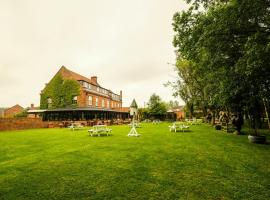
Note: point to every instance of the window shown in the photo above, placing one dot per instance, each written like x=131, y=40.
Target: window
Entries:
x=108, y=103
x=74, y=100
x=96, y=101
x=103, y=103
x=85, y=84
x=49, y=101
x=90, y=101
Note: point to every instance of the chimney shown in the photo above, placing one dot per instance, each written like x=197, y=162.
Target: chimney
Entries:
x=32, y=105
x=94, y=80
x=121, y=94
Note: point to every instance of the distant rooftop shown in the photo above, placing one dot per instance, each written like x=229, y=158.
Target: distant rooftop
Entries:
x=66, y=73
x=134, y=104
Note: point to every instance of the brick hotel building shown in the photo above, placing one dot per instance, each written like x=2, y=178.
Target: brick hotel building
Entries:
x=93, y=102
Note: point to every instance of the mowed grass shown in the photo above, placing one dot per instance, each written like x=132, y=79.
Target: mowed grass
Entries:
x=64, y=164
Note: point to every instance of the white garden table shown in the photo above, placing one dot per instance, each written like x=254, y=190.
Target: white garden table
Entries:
x=97, y=129
x=180, y=127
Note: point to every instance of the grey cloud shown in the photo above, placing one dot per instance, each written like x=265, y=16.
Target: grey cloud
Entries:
x=125, y=43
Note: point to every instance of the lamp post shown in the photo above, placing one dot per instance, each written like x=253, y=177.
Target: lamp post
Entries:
x=133, y=112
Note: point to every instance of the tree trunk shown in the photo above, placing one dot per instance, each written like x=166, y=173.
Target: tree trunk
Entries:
x=214, y=118
x=254, y=117
x=204, y=109
x=266, y=112
x=191, y=110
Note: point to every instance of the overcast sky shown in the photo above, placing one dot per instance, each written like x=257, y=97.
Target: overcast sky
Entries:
x=126, y=43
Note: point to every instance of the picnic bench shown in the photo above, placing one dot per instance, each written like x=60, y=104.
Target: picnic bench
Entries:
x=97, y=130
x=194, y=121
x=181, y=127
x=75, y=126
x=156, y=121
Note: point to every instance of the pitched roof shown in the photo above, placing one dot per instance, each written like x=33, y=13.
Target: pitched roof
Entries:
x=178, y=108
x=134, y=104
x=68, y=74
x=123, y=109
x=17, y=106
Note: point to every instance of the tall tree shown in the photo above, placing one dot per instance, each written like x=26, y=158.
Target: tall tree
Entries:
x=157, y=108
x=229, y=40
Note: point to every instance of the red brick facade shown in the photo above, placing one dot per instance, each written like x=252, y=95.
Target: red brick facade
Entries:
x=12, y=111
x=180, y=115
x=24, y=123
x=179, y=112
x=91, y=93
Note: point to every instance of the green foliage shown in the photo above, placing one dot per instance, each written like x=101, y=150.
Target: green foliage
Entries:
x=22, y=114
x=61, y=92
x=227, y=46
x=157, y=108
x=143, y=113
x=172, y=104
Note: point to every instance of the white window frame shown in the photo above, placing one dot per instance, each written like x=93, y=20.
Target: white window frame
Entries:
x=75, y=100
x=49, y=102
x=96, y=101
x=90, y=100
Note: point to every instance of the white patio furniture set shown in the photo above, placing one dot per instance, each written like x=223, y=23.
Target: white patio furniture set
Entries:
x=193, y=121
x=157, y=121
x=178, y=127
x=75, y=126
x=98, y=130
x=136, y=124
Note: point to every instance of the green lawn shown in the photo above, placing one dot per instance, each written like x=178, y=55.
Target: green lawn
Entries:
x=201, y=164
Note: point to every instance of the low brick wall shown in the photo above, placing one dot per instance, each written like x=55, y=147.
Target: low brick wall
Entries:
x=24, y=123
x=30, y=123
